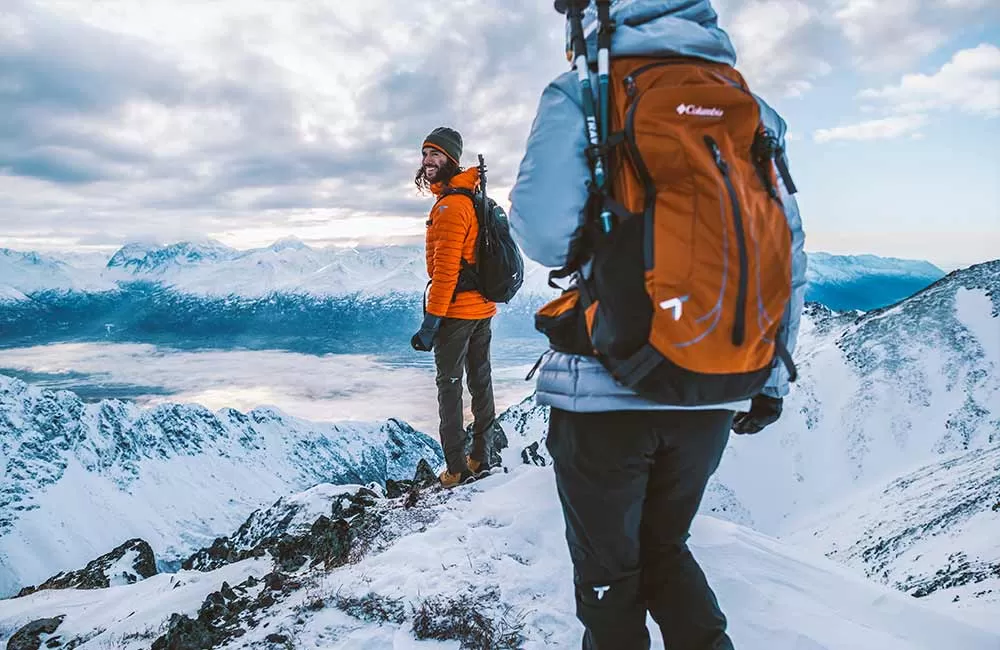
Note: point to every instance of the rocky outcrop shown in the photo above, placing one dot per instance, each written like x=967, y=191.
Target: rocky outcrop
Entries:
x=129, y=563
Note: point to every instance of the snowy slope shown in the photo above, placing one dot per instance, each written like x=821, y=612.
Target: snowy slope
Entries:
x=287, y=266
x=498, y=555
x=880, y=395
x=290, y=266
x=81, y=478
x=932, y=533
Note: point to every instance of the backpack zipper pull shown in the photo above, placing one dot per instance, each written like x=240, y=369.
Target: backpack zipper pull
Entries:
x=630, y=87
x=716, y=154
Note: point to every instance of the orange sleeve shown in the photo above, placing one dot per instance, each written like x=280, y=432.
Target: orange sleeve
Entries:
x=451, y=223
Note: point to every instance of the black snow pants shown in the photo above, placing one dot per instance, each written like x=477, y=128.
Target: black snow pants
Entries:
x=630, y=483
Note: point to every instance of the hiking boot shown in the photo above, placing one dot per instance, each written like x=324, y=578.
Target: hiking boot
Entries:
x=449, y=480
x=476, y=466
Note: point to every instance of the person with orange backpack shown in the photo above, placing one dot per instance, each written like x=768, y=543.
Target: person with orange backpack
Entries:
x=457, y=314
x=660, y=188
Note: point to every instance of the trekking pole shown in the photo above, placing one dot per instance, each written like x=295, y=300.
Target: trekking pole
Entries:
x=604, y=28
x=482, y=190
x=574, y=11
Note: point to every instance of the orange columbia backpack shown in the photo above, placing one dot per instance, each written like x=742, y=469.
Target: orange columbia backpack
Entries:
x=682, y=300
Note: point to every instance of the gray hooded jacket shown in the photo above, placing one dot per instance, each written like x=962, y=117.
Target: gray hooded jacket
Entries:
x=550, y=192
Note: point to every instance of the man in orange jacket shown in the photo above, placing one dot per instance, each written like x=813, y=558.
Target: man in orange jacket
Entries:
x=457, y=319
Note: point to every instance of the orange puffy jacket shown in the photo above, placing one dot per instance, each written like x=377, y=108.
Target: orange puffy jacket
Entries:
x=452, y=230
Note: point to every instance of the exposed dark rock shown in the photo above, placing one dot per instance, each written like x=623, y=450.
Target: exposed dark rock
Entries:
x=29, y=636
x=396, y=489
x=219, y=619
x=274, y=581
x=424, y=476
x=530, y=455
x=185, y=633
x=220, y=553
x=98, y=573
x=498, y=442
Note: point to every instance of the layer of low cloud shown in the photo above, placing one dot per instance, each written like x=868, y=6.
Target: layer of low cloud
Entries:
x=322, y=388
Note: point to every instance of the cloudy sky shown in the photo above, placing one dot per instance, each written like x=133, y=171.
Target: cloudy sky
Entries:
x=248, y=121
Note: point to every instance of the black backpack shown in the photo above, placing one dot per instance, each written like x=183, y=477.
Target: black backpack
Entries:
x=499, y=269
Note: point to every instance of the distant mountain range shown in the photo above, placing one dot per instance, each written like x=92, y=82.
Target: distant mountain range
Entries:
x=289, y=266
x=865, y=282
x=291, y=296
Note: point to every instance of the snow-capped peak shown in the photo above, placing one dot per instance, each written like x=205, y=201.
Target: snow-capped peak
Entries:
x=140, y=258
x=288, y=243
x=845, y=267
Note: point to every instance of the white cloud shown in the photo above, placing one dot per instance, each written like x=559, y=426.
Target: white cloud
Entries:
x=965, y=4
x=887, y=33
x=969, y=82
x=206, y=116
x=185, y=117
x=881, y=129
x=892, y=34
x=784, y=61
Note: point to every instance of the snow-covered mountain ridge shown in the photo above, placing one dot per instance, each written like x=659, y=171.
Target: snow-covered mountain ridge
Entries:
x=499, y=577
x=211, y=269
x=289, y=266
x=292, y=297
x=81, y=478
x=880, y=396
x=931, y=533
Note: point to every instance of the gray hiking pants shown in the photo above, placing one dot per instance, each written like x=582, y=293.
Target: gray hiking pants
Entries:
x=464, y=345
x=630, y=483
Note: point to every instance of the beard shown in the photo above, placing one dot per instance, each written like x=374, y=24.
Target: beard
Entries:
x=433, y=173
x=428, y=174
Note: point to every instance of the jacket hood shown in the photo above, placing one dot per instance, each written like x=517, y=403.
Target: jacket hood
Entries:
x=663, y=28
x=467, y=180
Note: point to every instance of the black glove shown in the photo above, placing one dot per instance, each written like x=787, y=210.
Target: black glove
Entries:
x=764, y=410
x=423, y=340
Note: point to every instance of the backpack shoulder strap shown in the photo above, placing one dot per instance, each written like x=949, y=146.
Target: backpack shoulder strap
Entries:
x=459, y=190
x=467, y=274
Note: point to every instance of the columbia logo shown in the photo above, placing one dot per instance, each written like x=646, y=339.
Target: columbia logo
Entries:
x=701, y=111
